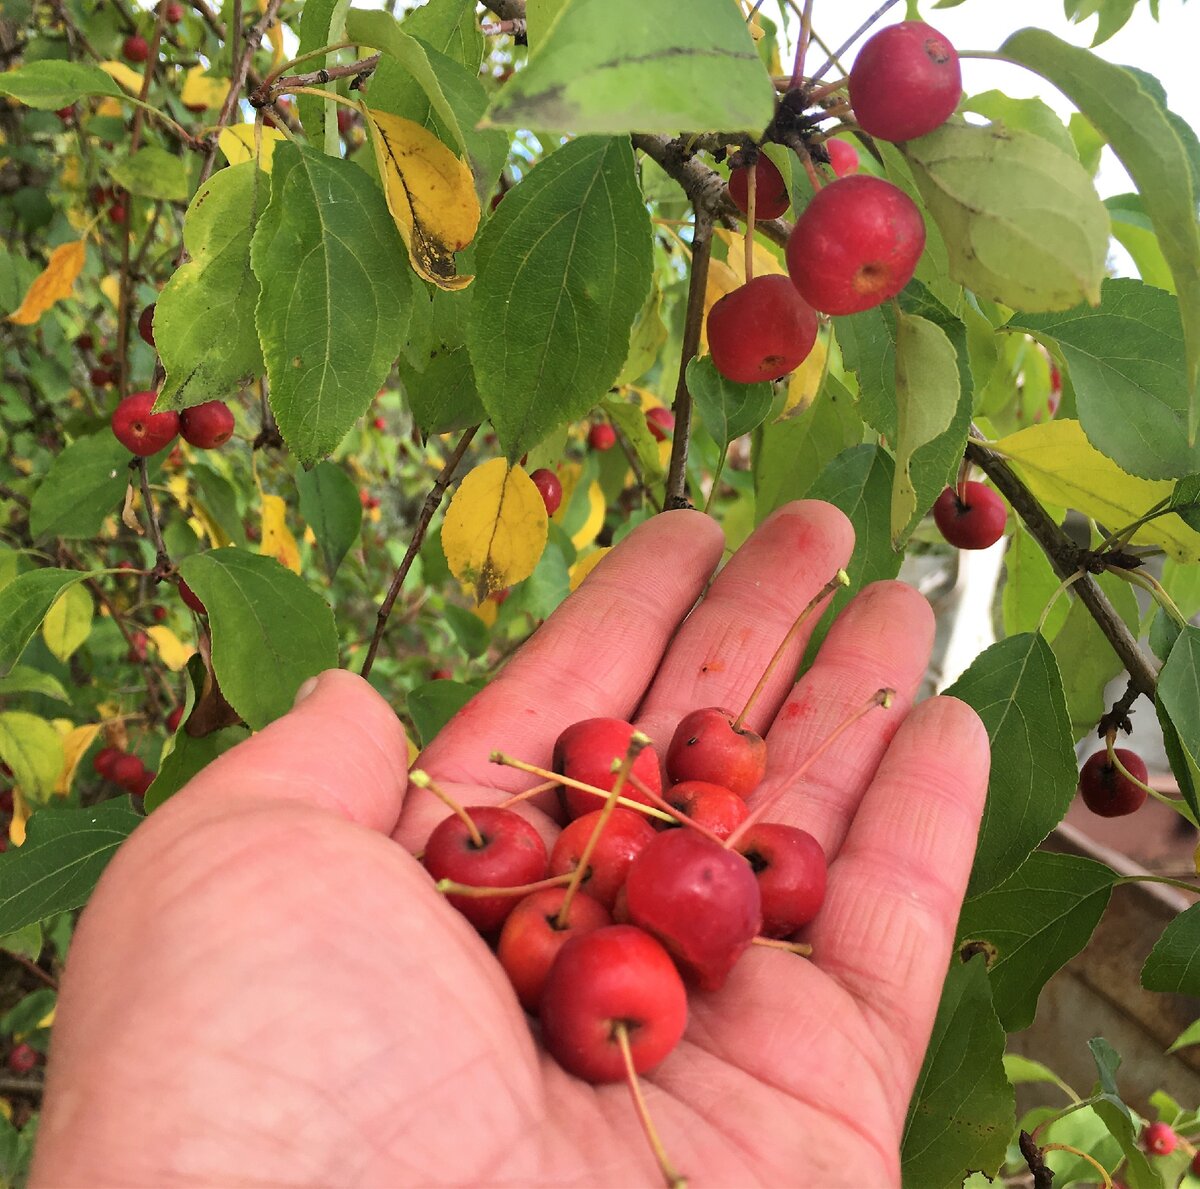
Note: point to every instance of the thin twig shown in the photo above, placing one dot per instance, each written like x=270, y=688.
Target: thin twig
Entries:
x=360, y=69
x=162, y=560
x=675, y=495
x=1043, y=1178
x=34, y=969
x=1066, y=558
x=430, y=506
x=854, y=37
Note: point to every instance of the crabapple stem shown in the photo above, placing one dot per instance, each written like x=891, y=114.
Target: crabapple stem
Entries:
x=1063, y=586
x=1114, y=761
x=751, y=200
x=637, y=744
x=667, y=807
x=498, y=757
x=794, y=947
x=882, y=697
x=424, y=781
x=673, y=1179
x=517, y=798
x=828, y=89
x=841, y=578
x=450, y=887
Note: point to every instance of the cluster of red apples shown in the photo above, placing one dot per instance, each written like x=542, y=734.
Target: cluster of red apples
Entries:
x=855, y=245
x=144, y=432
x=654, y=885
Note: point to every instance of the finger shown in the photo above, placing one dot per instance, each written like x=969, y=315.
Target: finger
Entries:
x=882, y=640
x=341, y=748
x=593, y=657
x=724, y=647
x=896, y=888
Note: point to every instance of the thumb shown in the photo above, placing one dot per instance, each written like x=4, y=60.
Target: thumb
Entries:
x=340, y=748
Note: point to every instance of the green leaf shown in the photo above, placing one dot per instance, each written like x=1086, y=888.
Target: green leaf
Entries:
x=564, y=267
x=23, y=605
x=927, y=397
x=24, y=680
x=469, y=630
x=634, y=66
x=186, y=758
x=859, y=481
x=645, y=340
x=1021, y=219
x=322, y=22
x=451, y=28
x=49, y=85
x=330, y=506
x=1027, y=115
x=1146, y=143
x=1033, y=924
x=270, y=632
x=85, y=484
x=204, y=317
x=153, y=173
x=790, y=454
x=64, y=852
x=33, y=749
x=219, y=499
x=439, y=380
x=1188, y=1037
x=1126, y=360
x=1029, y=584
x=335, y=289
x=963, y=1109
x=1139, y=1173
x=1085, y=657
x=68, y=623
x=726, y=408
x=432, y=705
x=1016, y=689
x=1184, y=766
x=1174, y=962
x=631, y=421
x=28, y=942
x=1132, y=229
x=1178, y=700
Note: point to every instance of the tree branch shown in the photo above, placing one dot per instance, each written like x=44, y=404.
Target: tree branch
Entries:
x=1066, y=558
x=428, y=508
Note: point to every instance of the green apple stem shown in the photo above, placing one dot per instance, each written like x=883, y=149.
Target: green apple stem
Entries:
x=793, y=947
x=450, y=887
x=672, y=1178
x=637, y=743
x=882, y=697
x=841, y=578
x=423, y=780
x=498, y=757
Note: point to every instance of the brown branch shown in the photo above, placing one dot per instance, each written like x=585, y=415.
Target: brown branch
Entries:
x=11, y=1084
x=162, y=561
x=507, y=10
x=1066, y=558
x=635, y=466
x=430, y=506
x=675, y=495
x=33, y=969
x=265, y=94
x=1043, y=1178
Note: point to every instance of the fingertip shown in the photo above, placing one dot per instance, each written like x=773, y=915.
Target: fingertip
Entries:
x=820, y=527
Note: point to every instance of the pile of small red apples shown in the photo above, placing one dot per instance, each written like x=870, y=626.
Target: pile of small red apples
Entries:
x=656, y=884
x=143, y=432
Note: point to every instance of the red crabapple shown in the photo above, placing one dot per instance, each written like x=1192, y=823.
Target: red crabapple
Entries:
x=760, y=331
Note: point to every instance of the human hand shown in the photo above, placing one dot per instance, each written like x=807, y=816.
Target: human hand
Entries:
x=265, y=988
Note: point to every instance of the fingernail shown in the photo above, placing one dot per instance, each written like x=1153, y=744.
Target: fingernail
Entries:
x=305, y=689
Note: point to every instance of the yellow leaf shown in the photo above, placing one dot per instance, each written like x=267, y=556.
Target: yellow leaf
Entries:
x=805, y=382
x=47, y=1021
x=585, y=565
x=70, y=172
x=201, y=91
x=237, y=143
x=110, y=107
x=126, y=76
x=765, y=261
x=495, y=528
x=593, y=521
x=487, y=611
x=68, y=623
x=274, y=36
x=413, y=752
x=75, y=743
x=6, y=1109
x=53, y=283
x=1060, y=466
x=20, y=815
x=277, y=539
x=721, y=280
x=172, y=651
x=110, y=286
x=430, y=193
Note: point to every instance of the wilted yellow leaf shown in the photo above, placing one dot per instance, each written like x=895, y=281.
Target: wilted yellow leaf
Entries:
x=126, y=76
x=487, y=611
x=593, y=521
x=1060, y=466
x=172, y=651
x=110, y=286
x=585, y=565
x=199, y=90
x=765, y=261
x=721, y=280
x=430, y=193
x=75, y=743
x=237, y=143
x=70, y=172
x=20, y=815
x=109, y=107
x=495, y=528
x=805, y=382
x=277, y=539
x=274, y=36
x=53, y=283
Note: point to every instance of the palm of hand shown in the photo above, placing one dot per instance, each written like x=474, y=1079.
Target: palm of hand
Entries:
x=266, y=988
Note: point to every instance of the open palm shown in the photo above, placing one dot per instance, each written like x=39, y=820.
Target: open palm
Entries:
x=267, y=989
